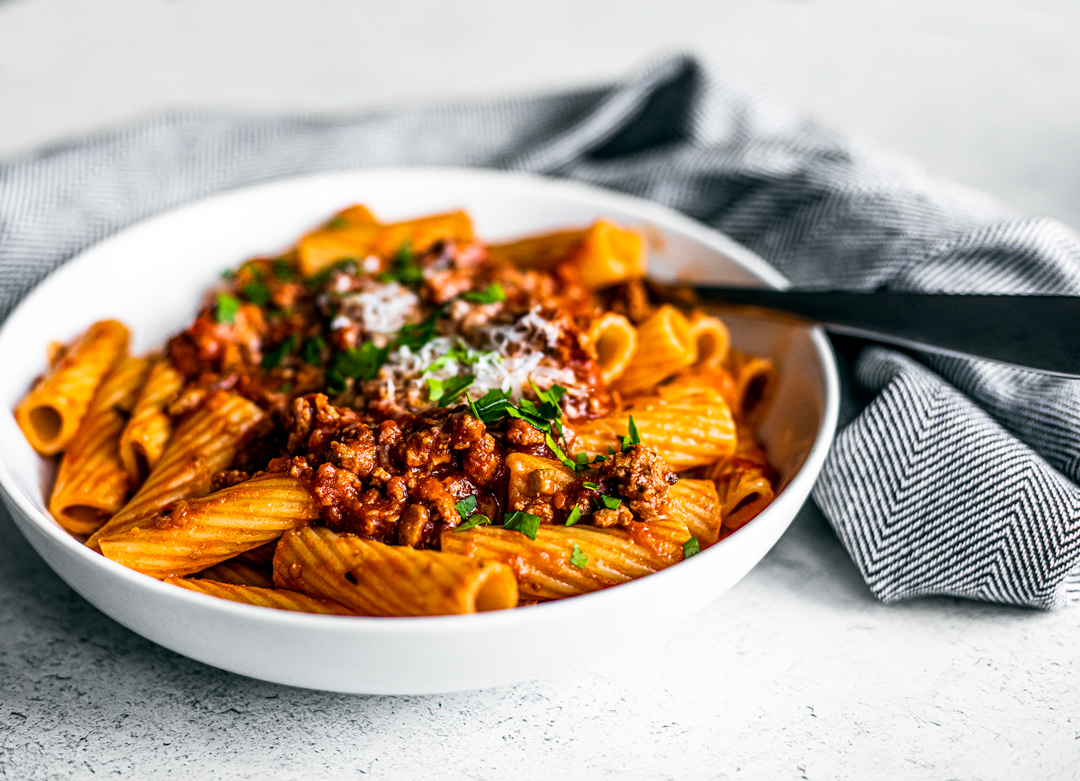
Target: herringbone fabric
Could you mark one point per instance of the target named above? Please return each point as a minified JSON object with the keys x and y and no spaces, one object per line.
{"x":957,"y":479}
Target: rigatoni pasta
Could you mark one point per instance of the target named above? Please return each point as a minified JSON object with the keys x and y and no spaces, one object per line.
{"x":150,"y":427}
{"x":189,"y":536}
{"x":395,"y":419}
{"x":51,"y":413}
{"x":91,"y":483}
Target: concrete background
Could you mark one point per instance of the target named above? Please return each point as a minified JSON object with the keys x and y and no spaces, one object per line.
{"x":796,"y":673}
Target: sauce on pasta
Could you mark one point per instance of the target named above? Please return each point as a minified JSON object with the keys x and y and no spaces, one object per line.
{"x":399,"y":419}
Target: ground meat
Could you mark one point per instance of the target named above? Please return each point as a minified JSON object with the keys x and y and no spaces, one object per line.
{"x":642,"y":478}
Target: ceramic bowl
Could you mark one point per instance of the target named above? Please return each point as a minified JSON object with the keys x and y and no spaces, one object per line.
{"x":152,"y":275}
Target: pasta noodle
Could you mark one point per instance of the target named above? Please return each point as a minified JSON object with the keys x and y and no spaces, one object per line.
{"x":384,"y":580}
{"x":543,"y":566}
{"x":711,"y":338}
{"x":205,"y":442}
{"x":358,"y":240}
{"x":696,"y":504}
{"x":616,"y":342}
{"x":91,"y":484}
{"x":687,"y":431}
{"x":51,"y":413}
{"x":282,"y":599}
{"x":149,"y":428}
{"x":395,"y":419}
{"x":189,"y":536}
{"x":665,"y":347}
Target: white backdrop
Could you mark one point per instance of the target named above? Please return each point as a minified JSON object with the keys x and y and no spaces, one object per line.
{"x":984,"y":91}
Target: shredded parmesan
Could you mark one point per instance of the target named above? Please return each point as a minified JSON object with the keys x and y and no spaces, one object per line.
{"x":381,"y":309}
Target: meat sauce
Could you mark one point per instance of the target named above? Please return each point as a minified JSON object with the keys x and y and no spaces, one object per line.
{"x":379,"y":423}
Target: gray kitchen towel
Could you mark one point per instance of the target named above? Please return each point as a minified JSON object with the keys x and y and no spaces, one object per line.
{"x":958,"y":478}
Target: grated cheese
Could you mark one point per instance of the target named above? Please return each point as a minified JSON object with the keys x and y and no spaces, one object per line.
{"x":381,"y":309}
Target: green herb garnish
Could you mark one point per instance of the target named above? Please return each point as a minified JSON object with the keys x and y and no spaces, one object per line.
{"x":477,"y":519}
{"x":591,"y":486}
{"x":445,"y":391}
{"x":338,"y":223}
{"x":312,"y":350}
{"x":416,"y":335}
{"x":690,"y":548}
{"x":574,"y":516}
{"x":633,"y":439}
{"x":403,"y":268}
{"x":335,"y":383}
{"x":466,"y":507}
{"x":227,"y":307}
{"x":559,"y":454}
{"x":361,"y":363}
{"x":523,"y":522}
{"x":578,"y":558}
{"x":283,"y":270}
{"x":492,"y":294}
{"x":610,"y":502}
{"x":257,"y":293}
{"x":346,"y":265}
{"x":491,"y":406}
{"x":272,"y":357}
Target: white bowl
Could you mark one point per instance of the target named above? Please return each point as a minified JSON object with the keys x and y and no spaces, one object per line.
{"x":152,"y":275}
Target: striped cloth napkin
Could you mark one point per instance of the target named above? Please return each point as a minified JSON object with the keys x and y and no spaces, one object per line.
{"x":959,"y":477}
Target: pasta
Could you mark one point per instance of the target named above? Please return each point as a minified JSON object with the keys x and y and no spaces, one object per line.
{"x":150,"y":427}
{"x":205,"y":443}
{"x":282,"y":599}
{"x":390,"y":580}
{"x":51,"y":413}
{"x":189,"y":536}
{"x":92,"y":484}
{"x":395,"y":419}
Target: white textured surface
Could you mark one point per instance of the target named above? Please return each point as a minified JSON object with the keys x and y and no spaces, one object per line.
{"x":797,"y":672}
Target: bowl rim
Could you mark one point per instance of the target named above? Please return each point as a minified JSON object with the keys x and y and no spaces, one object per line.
{"x":525,"y":183}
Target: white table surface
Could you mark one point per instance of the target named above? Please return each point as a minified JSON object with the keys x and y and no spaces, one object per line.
{"x":797,"y":672}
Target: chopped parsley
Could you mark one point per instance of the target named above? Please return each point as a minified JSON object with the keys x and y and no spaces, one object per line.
{"x":574,"y":516}
{"x":416,"y":335}
{"x":257,"y":293}
{"x":691,"y":548}
{"x":466,"y":508}
{"x":477,"y":519}
{"x":491,"y":406}
{"x":361,"y":363}
{"x":633,"y":439}
{"x":312,"y":350}
{"x":578,"y":558}
{"x":533,"y":420}
{"x":610,"y":502}
{"x":403,"y":268}
{"x":345,"y":265}
{"x":523,"y":522}
{"x":582,"y":459}
{"x":559,"y":454}
{"x":549,"y":401}
{"x":227,"y":307}
{"x":273,"y":357}
{"x":492,"y":294}
{"x":283,"y":270}
{"x":335,"y":383}
{"x":591,"y":486}
{"x":445,"y":391}
{"x":462,"y":354}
